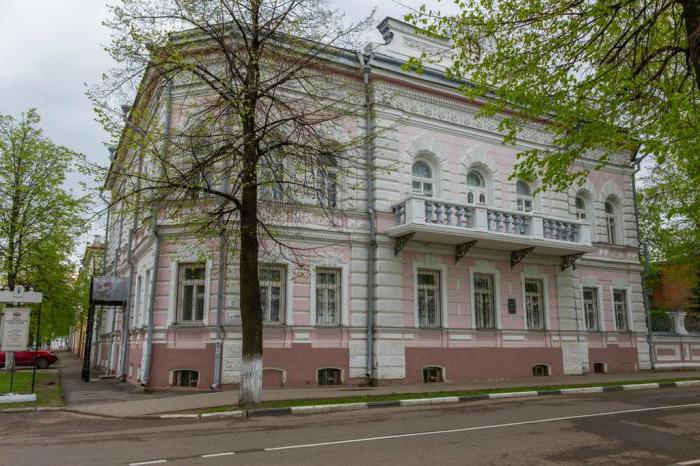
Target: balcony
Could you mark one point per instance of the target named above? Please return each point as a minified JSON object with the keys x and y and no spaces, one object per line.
{"x":465,"y":225}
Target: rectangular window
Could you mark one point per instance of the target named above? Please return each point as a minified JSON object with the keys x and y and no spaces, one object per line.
{"x":270,"y":187}
{"x":328,"y":189}
{"x":136,"y":317}
{"x":328,"y":297}
{"x":590,"y":309}
{"x":428,"y":298}
{"x":534,"y":304}
{"x":272,"y":299}
{"x":620,"y":307}
{"x":191,"y":290}
{"x":484,"y":300}
{"x":146,"y":297}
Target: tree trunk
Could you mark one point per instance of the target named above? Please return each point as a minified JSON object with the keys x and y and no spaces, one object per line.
{"x":251,"y":314}
{"x":691,"y":15}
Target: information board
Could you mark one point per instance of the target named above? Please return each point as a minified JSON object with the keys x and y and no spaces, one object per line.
{"x":15,"y":329}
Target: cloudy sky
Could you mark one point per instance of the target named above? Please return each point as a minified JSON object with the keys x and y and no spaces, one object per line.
{"x":50,"y":50}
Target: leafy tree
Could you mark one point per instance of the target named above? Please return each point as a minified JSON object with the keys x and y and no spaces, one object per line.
{"x":257,"y":130}
{"x":606,"y":78}
{"x":39,"y":218}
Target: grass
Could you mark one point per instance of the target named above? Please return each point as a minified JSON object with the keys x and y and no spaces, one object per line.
{"x":47,"y":388}
{"x":437,"y":394}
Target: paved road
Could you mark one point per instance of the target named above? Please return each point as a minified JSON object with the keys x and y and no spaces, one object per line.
{"x":640,"y":427}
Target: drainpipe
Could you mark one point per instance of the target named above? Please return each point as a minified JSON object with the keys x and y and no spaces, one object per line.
{"x":220,"y":330}
{"x":372,"y":253}
{"x":148,"y":349}
{"x":124,"y":350}
{"x":637,"y":161}
{"x":114,"y":310}
{"x":151,"y":303}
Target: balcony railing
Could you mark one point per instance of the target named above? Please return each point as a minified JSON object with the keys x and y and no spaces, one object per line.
{"x":453,"y":222}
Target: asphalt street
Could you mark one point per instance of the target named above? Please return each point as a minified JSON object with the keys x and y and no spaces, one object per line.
{"x":658,"y":427}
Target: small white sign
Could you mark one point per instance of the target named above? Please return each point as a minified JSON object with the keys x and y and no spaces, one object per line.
{"x":15,"y":329}
{"x":20,"y":295}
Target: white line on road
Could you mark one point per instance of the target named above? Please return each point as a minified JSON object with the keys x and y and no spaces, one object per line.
{"x":494,"y":426}
{"x":688,"y":463}
{"x":214,"y":455}
{"x":148,"y":462}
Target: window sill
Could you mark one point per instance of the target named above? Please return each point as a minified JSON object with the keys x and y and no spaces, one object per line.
{"x":185,"y":325}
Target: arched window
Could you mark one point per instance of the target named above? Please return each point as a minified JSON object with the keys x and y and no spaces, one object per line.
{"x":422,"y":179}
{"x":524,"y":196}
{"x":476,"y":184}
{"x":581,"y":208}
{"x":610,"y":222}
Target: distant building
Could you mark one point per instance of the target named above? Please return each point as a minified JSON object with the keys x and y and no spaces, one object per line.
{"x":91,"y":264}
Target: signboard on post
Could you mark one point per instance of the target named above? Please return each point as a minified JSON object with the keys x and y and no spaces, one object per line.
{"x":15,"y":329}
{"x":20,"y":295}
{"x":109,"y":290}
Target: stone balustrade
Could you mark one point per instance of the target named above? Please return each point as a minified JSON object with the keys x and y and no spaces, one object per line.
{"x":439,"y":212}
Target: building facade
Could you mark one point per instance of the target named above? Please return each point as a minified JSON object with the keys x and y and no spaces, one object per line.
{"x":437,"y":268}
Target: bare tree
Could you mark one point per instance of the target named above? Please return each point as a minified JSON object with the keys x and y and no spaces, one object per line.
{"x":265,"y":117}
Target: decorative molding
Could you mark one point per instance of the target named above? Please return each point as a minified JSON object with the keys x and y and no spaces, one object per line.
{"x":570,"y":261}
{"x":518,"y":255}
{"x":462,"y":249}
{"x":401,"y":242}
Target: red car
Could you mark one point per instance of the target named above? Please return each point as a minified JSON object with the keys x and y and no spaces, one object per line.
{"x":26,"y":358}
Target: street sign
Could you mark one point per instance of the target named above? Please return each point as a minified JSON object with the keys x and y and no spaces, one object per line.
{"x":20,"y":295}
{"x":109,"y":290}
{"x":15,"y":329}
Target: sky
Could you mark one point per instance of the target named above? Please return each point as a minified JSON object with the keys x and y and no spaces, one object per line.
{"x":52,"y":50}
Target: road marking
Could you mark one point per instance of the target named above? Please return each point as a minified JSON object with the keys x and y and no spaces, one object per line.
{"x":688,"y":463}
{"x":494,"y":426}
{"x":214,"y":455}
{"x":148,"y":462}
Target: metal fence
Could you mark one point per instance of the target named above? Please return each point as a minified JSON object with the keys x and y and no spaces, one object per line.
{"x":692,"y":324}
{"x":661,"y":323}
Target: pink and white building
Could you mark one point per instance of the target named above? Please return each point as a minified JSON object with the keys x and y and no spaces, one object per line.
{"x":439,"y":268}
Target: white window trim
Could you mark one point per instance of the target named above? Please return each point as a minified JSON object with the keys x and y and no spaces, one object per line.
{"x":491,"y":269}
{"x":174,"y":276}
{"x":545,"y":298}
{"x":344,"y":293}
{"x":284,"y":311}
{"x":630,"y":327}
{"x":601,"y":312}
{"x":444,"y":305}
{"x":435,"y":179}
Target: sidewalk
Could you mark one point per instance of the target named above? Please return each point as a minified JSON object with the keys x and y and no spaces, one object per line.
{"x":99,"y":391}
{"x":150,"y":404}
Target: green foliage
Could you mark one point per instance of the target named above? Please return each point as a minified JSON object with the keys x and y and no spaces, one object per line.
{"x":39,"y":218}
{"x":606,"y":78}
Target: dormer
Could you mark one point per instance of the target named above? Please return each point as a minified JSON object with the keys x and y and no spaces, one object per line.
{"x":403,"y":40}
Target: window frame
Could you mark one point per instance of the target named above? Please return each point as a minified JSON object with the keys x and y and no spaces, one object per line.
{"x":174,"y":377}
{"x":522,"y":199}
{"x":599,"y":321}
{"x":581,"y":212}
{"x":437,"y":290}
{"x":626,"y":311}
{"x":180,"y":289}
{"x":494,"y":300}
{"x":543,"y":302}
{"x":477,"y":194}
{"x":282,"y":311}
{"x":423,"y":180}
{"x":339,"y":295}
{"x":611,"y":223}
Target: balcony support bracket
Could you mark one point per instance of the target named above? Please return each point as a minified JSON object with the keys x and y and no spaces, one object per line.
{"x":401,"y":241}
{"x":570,"y":261}
{"x":518,"y":255}
{"x":462,"y":249}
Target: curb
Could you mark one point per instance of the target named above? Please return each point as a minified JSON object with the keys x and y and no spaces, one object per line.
{"x":329,"y":408}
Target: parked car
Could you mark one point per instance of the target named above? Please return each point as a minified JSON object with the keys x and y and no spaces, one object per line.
{"x":26,"y":358}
